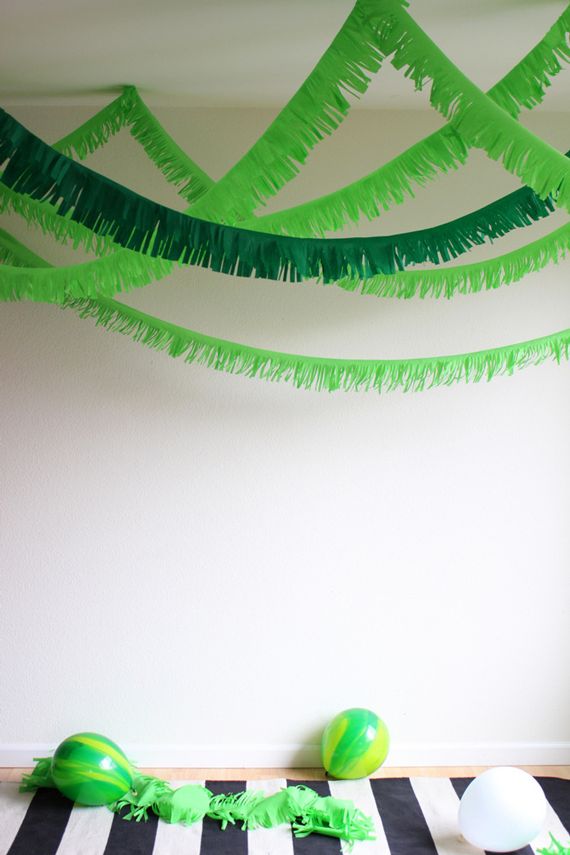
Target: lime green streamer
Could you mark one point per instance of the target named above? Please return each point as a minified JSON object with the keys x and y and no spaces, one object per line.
{"x":129,"y":110}
{"x":437,"y":244}
{"x":555,"y":848}
{"x":315,"y":111}
{"x":310,"y":372}
{"x":477,"y":119}
{"x":524,"y":86}
{"x":299,"y":806}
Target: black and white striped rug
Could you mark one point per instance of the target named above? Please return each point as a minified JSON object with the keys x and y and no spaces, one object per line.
{"x":412,"y":816}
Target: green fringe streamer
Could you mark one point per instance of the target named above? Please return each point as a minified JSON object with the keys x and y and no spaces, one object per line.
{"x":398,"y":252}
{"x":137,"y":223}
{"x":297,"y":805}
{"x":477,"y":119}
{"x":555,"y":848}
{"x":31,"y":278}
{"x":440,"y":152}
{"x":311,"y":372}
{"x":40,"y":776}
{"x":129,"y":110}
{"x":315,"y":111}
{"x":62,"y":229}
{"x":14,"y":253}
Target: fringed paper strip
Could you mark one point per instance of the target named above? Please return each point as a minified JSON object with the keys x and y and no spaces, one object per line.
{"x":125,"y":270}
{"x":320,"y":373}
{"x":299,"y":806}
{"x":477,"y":119}
{"x":315,"y":111}
{"x":310,"y":372}
{"x":396,"y":252}
{"x":62,"y":229}
{"x":555,"y":848}
{"x":111,"y":210}
{"x":129,"y":110}
{"x":442,"y":151}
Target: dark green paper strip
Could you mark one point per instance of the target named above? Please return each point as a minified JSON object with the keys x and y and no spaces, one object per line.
{"x":34,"y":169}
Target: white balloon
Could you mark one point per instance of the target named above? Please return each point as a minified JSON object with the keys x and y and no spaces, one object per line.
{"x":502,"y":810}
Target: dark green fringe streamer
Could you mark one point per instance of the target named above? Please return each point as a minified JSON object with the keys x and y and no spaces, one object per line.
{"x":109,"y":209}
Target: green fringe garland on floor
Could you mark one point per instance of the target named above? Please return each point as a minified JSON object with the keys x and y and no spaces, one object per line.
{"x":22,"y":279}
{"x":440,"y":152}
{"x":555,"y":848}
{"x":129,"y":110}
{"x":298,"y":806}
{"x":309,"y":372}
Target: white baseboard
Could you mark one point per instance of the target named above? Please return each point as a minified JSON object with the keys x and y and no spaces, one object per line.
{"x":297,"y":756}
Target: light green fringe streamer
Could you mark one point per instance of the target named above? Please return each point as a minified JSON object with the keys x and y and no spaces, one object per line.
{"x":309,"y":372}
{"x":124,"y":270}
{"x":299,"y":806}
{"x":477,"y":119}
{"x":319,"y":373}
{"x":440,"y":152}
{"x":129,"y":110}
{"x":315,"y":111}
{"x":555,"y":848}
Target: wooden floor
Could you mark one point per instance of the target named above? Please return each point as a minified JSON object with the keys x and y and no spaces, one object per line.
{"x":316,"y":774}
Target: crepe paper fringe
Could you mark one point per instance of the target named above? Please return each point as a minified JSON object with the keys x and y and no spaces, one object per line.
{"x":40,"y":776}
{"x":98,"y":129}
{"x":297,"y":805}
{"x":62,"y":229}
{"x":526,"y":84}
{"x":400,"y":251}
{"x":300,"y":806}
{"x":555,"y":848}
{"x":129,"y":110}
{"x":320,"y":373}
{"x":318,"y":107}
{"x":140,"y":224}
{"x":31,"y":278}
{"x":440,"y":152}
{"x":14,"y":253}
{"x":314,"y":372}
{"x":478,"y":120}
{"x":177,"y":167}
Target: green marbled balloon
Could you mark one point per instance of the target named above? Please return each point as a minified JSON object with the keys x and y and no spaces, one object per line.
{"x":91,"y":769}
{"x":354,"y":744}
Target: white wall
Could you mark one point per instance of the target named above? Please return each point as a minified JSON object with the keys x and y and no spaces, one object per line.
{"x":207,"y":568}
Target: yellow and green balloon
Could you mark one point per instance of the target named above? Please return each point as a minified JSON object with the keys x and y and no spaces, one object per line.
{"x":91,"y":769}
{"x":354,"y":744}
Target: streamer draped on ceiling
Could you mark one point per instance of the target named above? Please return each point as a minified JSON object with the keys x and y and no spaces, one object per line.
{"x":139,"y":241}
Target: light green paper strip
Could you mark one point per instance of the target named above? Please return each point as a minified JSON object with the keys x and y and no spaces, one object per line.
{"x":315,"y":111}
{"x":522,"y":87}
{"x":320,"y":373}
{"x":129,"y":110}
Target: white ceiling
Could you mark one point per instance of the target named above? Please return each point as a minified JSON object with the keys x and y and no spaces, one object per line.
{"x":237,"y":52}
